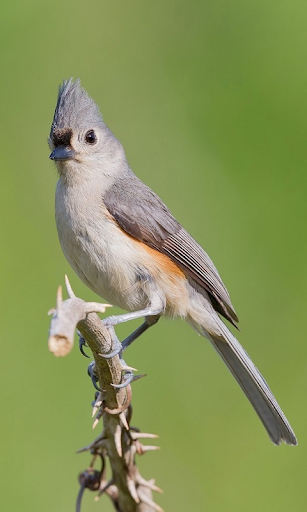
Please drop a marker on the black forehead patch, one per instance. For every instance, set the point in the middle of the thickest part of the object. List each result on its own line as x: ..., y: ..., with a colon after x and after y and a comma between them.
x: 62, y: 137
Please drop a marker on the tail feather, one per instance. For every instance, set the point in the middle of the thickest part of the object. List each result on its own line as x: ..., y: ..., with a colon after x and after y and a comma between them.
x: 253, y: 385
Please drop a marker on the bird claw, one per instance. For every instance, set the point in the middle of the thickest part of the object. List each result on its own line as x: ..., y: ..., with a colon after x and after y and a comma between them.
x: 115, y: 341
x: 128, y: 378
x: 82, y: 343
x: 93, y: 375
x: 115, y: 352
x: 128, y: 375
x: 110, y: 321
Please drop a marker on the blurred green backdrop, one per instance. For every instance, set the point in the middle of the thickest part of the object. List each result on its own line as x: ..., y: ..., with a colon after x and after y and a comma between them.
x: 209, y: 101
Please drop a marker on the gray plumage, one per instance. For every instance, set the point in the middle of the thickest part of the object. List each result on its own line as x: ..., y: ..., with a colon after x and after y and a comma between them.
x: 66, y: 114
x: 124, y: 243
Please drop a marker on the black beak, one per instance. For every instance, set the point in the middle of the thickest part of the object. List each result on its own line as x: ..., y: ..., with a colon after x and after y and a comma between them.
x: 63, y: 153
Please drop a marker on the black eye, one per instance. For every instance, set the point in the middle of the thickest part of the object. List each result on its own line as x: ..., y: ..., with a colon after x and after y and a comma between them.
x: 90, y: 137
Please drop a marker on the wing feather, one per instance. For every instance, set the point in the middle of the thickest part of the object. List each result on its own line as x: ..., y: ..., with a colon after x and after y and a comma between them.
x: 142, y: 214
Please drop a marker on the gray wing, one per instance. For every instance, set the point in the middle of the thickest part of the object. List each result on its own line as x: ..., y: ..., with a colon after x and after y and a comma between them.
x: 142, y: 214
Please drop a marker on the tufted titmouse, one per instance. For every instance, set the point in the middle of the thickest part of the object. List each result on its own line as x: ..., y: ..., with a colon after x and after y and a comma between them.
x: 124, y: 243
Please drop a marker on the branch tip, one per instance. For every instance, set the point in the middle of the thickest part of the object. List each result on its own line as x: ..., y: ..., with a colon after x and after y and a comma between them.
x: 59, y: 345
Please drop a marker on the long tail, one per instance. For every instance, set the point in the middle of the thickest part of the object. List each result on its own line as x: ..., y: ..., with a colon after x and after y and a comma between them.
x: 253, y: 385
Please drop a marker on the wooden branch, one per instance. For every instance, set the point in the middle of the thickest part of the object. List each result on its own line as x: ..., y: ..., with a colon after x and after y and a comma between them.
x: 118, y: 442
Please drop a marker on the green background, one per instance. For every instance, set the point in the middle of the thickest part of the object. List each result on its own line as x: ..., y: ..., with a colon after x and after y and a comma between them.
x: 209, y: 101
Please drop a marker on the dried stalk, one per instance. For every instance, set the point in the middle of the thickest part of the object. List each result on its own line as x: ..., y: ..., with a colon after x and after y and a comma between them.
x: 118, y: 442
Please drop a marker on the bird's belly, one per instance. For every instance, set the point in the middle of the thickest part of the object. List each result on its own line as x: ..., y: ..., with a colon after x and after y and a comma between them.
x: 106, y: 260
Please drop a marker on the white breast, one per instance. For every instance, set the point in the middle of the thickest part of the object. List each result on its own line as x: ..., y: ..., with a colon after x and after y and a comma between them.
x: 100, y: 253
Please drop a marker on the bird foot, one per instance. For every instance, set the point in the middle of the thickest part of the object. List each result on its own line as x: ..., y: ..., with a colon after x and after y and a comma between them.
x: 82, y: 344
x: 93, y: 375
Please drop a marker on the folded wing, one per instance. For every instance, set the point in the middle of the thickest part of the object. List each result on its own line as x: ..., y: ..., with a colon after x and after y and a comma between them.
x: 142, y: 214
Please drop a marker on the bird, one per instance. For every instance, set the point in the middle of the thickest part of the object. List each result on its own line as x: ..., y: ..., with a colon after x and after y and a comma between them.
x: 125, y: 245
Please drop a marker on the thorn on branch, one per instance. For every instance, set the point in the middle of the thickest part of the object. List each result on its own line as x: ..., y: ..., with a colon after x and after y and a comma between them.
x: 145, y: 499
x: 143, y: 435
x: 97, y: 404
x: 69, y: 289
x: 141, y: 448
x: 133, y: 491
x: 118, y: 440
x: 124, y: 421
x: 150, y: 484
